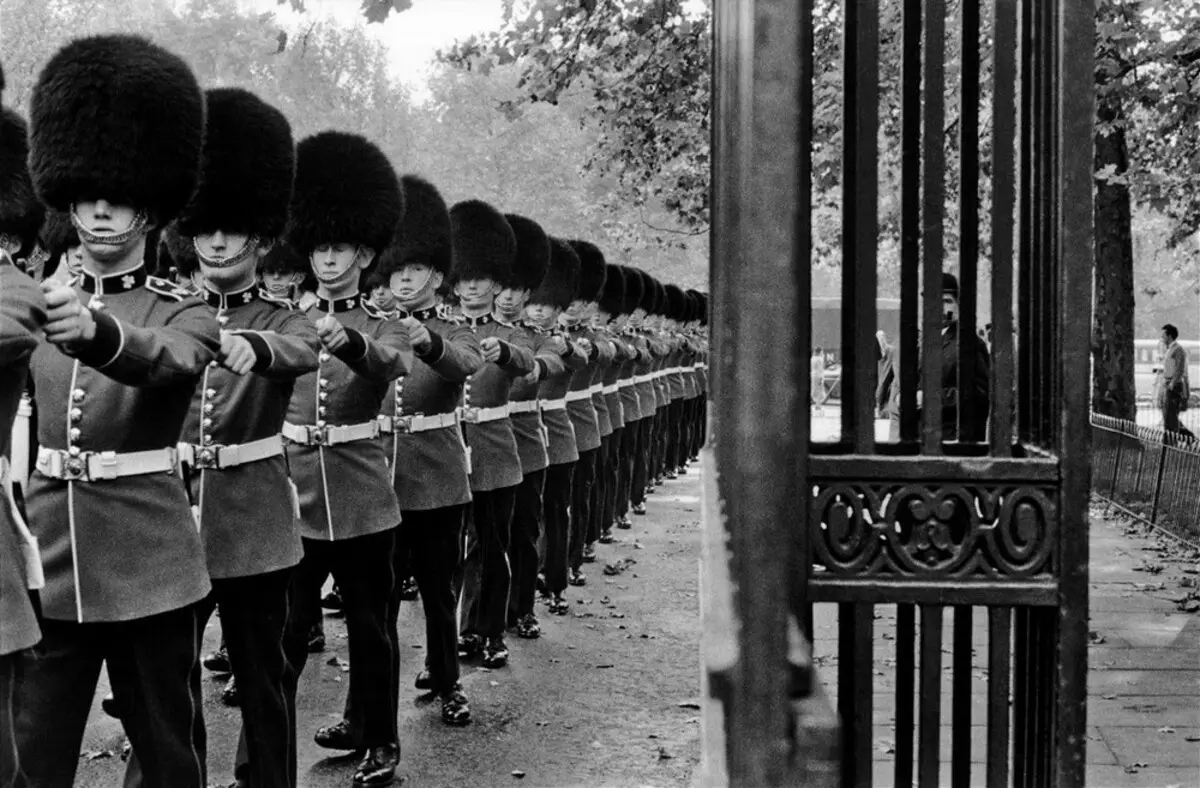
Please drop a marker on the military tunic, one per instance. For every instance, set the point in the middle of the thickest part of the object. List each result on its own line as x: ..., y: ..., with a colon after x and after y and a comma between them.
x: 430, y: 466
x: 561, y: 447
x: 22, y: 315
x: 631, y: 409
x: 607, y: 357
x: 347, y: 389
x: 582, y: 410
x: 123, y: 548
x: 248, y: 521
x: 531, y: 433
x: 495, y: 463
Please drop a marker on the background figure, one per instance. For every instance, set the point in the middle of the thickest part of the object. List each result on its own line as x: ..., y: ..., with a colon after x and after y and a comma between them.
x: 1174, y: 389
x: 817, y: 376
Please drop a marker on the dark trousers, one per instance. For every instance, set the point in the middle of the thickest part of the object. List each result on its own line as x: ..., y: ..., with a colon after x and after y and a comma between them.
x: 678, y: 432
x: 362, y: 569
x: 523, y: 548
x: 612, y: 480
x: 625, y: 454
x: 556, y: 499
x: 486, y: 573
x: 11, y: 773
x: 641, y: 462
x: 581, y: 504
x: 154, y: 668
x: 600, y: 487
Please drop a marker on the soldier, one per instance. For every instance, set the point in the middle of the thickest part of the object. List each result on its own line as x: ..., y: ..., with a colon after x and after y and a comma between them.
x: 542, y: 312
x: 677, y: 305
x: 22, y: 316
x: 280, y: 273
x: 64, y: 253
x: 21, y: 213
x: 231, y: 441
x: 691, y: 391
x: 381, y: 302
x: 123, y: 560
x: 630, y: 405
x: 647, y: 401
x: 346, y: 206
x: 178, y: 253
x: 484, y: 252
x: 609, y: 319
x: 550, y: 352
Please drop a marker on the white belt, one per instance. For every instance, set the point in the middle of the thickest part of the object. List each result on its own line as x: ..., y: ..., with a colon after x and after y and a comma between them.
x: 643, y: 378
x: 700, y: 366
x: 613, y: 389
x: 525, y: 406
x: 93, y: 466
x: 30, y: 554
x: 319, y: 435
x: 407, y: 425
x: 473, y: 415
x: 577, y: 396
x: 626, y: 383
x: 596, y: 388
x: 553, y: 404
x: 386, y: 425
x: 215, y: 458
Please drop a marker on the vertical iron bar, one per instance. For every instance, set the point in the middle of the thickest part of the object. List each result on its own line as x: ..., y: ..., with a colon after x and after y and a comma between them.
x: 860, y: 225
x: 906, y: 673
x: 1003, y: 202
x: 999, y: 672
x: 856, y: 627
x: 960, y: 714
x: 1023, y: 732
x: 932, y: 209
x: 929, y: 736
x: 1158, y: 479
x: 910, y: 223
x: 1025, y: 229
x: 968, y: 212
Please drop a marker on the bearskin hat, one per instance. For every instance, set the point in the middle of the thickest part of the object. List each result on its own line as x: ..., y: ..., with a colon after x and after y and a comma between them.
x: 247, y: 168
x: 21, y: 213
x: 700, y: 302
x: 423, y: 235
x: 677, y: 304
x: 116, y: 117
x: 178, y: 251
x: 612, y: 295
x: 533, y: 253
x: 484, y: 245
x: 58, y: 233
x: 632, y: 297
x: 346, y: 192
x: 561, y: 282
x: 592, y: 273
x: 651, y: 294
x: 283, y: 258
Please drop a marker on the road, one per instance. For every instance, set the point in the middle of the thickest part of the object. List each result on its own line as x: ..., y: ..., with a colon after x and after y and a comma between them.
x: 607, y: 698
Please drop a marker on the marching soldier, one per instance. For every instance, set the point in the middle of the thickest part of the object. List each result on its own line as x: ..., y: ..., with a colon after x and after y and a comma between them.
x: 630, y: 405
x: 231, y: 439
x: 609, y: 319
x: 484, y: 252
x: 580, y: 405
x: 281, y: 272
x: 644, y: 383
x: 346, y: 206
x: 380, y: 300
x: 124, y: 566
x: 545, y: 306
x: 550, y: 351
x: 677, y: 305
x: 21, y: 213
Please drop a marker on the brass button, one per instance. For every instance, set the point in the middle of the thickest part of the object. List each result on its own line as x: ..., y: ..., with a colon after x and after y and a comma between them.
x: 78, y: 395
x: 206, y: 439
x: 76, y: 415
x: 75, y: 433
x: 321, y: 411
x: 324, y: 395
x: 208, y: 407
x: 210, y: 392
x: 321, y: 423
x: 324, y: 355
x: 207, y: 423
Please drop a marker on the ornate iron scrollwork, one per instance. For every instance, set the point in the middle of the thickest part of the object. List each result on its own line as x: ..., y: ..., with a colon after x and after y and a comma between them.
x: 933, y: 529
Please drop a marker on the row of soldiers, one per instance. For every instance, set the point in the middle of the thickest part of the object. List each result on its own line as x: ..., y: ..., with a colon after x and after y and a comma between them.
x: 234, y: 438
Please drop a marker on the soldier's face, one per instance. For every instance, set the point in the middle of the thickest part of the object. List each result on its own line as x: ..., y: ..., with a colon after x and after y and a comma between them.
x: 511, y: 302
x: 226, y: 259
x: 602, y: 318
x: 337, y: 266
x: 476, y: 293
x: 382, y: 297
x: 638, y: 318
x: 415, y: 284
x: 542, y: 315
x: 103, y: 218
x: 278, y: 282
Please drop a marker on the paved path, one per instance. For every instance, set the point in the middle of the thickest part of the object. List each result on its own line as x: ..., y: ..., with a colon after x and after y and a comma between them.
x: 607, y: 698
x: 1144, y: 668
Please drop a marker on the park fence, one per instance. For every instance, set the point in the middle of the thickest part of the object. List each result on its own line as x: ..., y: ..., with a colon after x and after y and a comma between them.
x: 1149, y: 474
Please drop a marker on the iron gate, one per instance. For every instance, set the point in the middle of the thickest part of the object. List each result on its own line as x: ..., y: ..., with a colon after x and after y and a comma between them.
x: 994, y: 531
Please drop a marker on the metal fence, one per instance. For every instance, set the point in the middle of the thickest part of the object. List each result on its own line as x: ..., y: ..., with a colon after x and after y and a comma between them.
x: 1148, y: 473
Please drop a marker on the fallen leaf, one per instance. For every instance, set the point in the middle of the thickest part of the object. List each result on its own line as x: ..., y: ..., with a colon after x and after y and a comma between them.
x: 96, y: 755
x: 1166, y: 729
x: 335, y: 661
x: 663, y: 755
x: 1109, y: 697
x: 518, y: 773
x: 494, y: 683
x: 689, y: 704
x: 652, y: 736
x: 1096, y: 638
x: 606, y: 666
x: 1191, y: 738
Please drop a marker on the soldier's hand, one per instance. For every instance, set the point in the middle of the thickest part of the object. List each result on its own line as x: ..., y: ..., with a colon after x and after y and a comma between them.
x: 558, y: 344
x: 585, y: 346
x: 237, y: 354
x: 630, y: 351
x: 307, y: 301
x: 418, y: 334
x: 331, y: 333
x: 531, y: 378
x: 491, y: 349
x: 67, y: 320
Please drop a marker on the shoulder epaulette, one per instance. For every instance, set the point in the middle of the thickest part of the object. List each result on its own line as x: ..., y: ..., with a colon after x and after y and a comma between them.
x: 166, y: 287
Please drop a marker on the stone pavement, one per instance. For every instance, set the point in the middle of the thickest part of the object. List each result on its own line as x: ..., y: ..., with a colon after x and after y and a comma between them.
x: 1144, y: 668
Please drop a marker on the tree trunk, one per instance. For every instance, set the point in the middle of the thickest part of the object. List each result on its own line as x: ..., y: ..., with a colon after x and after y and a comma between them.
x: 1113, y: 390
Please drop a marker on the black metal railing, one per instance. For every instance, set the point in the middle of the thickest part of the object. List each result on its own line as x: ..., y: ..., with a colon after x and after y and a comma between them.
x: 1148, y: 473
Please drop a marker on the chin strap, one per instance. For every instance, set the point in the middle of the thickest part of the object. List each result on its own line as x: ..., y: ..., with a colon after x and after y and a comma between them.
x: 136, y: 228
x: 247, y: 249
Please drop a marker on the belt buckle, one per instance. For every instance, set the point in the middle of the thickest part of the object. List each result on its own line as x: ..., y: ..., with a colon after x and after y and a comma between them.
x: 74, y: 467
x: 206, y: 458
x: 402, y: 424
x: 318, y: 436
x: 471, y: 415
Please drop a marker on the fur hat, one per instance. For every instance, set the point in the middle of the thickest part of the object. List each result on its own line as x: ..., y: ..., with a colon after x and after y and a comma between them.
x: 949, y: 284
x: 283, y: 259
x: 533, y: 253
x: 561, y: 282
x: 21, y: 213
x: 632, y: 298
x: 247, y: 168
x: 346, y: 192
x: 592, y: 273
x: 116, y: 117
x: 484, y: 245
x: 700, y: 302
x: 652, y: 296
x: 58, y: 233
x: 612, y: 295
x: 423, y: 234
x: 176, y: 250
x: 677, y: 303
